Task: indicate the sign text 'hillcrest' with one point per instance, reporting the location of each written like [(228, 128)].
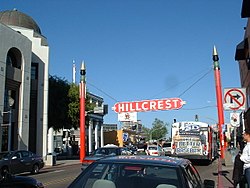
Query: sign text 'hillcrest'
[(149, 105)]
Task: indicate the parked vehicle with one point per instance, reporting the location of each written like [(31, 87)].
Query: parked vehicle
[(132, 149), (155, 150), (11, 181), (167, 148), (20, 161), (106, 151), (141, 171)]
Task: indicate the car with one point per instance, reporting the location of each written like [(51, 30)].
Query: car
[(20, 161), (167, 148), (154, 150), (141, 171), (11, 181), (106, 151)]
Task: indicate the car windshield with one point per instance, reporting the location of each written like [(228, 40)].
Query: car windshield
[(5, 155), (166, 145), (129, 175), (105, 151), (152, 147)]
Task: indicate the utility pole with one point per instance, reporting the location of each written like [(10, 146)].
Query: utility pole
[(82, 90), (219, 100)]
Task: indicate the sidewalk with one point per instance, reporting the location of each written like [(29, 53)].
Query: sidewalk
[(227, 166), (64, 162)]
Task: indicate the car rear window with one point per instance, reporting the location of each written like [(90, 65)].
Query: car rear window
[(166, 145), (130, 175), (152, 148)]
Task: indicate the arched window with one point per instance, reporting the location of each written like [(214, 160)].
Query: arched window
[(14, 58)]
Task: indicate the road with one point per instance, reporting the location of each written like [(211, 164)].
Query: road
[(58, 177), (210, 171), (62, 176)]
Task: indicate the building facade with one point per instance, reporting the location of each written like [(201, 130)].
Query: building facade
[(242, 55), (24, 62)]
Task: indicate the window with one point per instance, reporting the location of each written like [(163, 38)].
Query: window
[(25, 154), (34, 71), (193, 177)]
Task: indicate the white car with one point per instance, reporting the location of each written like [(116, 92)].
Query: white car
[(155, 150), (167, 147)]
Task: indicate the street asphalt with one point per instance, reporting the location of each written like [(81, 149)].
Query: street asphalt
[(225, 167)]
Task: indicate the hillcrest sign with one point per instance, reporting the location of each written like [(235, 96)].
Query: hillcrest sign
[(149, 105)]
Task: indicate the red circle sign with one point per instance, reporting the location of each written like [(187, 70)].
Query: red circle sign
[(236, 97)]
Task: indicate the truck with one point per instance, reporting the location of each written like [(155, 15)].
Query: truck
[(194, 140)]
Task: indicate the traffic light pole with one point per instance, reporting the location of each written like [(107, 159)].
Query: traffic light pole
[(82, 112)]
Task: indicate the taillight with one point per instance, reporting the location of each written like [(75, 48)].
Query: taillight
[(155, 152), (205, 147), (173, 146)]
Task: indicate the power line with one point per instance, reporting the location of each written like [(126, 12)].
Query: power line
[(194, 83), (199, 108), (189, 78), (103, 92)]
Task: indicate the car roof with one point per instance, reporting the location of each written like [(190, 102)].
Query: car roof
[(152, 145), (146, 159), (110, 145)]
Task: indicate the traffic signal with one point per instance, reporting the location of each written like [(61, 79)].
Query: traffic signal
[(196, 118)]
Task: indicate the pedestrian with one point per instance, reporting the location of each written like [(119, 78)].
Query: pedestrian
[(245, 156), (238, 172)]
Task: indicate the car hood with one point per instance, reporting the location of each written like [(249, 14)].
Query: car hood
[(3, 161), (16, 179), (94, 157)]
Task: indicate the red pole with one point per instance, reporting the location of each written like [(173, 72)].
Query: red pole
[(82, 113), (219, 100)]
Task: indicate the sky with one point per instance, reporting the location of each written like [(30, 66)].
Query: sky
[(143, 49)]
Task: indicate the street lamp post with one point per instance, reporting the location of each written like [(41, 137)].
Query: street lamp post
[(9, 131), (219, 100), (82, 112), (11, 102)]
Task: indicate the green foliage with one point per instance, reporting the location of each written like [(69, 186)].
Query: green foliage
[(146, 132), (159, 129), (58, 103), (74, 106), (64, 104)]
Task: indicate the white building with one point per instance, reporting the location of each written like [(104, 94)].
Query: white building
[(24, 62)]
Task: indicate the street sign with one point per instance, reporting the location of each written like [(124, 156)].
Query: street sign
[(98, 110), (235, 119), (149, 105), (125, 137), (127, 116), (235, 99)]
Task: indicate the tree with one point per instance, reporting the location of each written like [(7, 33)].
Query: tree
[(146, 132), (58, 103), (74, 105), (159, 129), (64, 104)]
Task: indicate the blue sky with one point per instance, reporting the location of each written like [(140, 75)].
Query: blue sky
[(143, 49)]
